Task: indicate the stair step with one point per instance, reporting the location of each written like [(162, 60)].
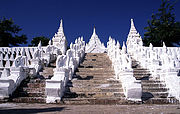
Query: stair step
[(99, 101), (93, 94), (153, 85), (95, 59), (72, 89), (155, 89), (43, 73), (95, 73), (141, 69), (36, 85), (96, 81), (96, 56), (151, 81), (161, 101), (143, 77), (37, 81), (29, 94), (143, 73), (93, 66), (29, 100), (33, 89), (95, 70), (92, 77), (92, 85), (146, 95), (97, 62)]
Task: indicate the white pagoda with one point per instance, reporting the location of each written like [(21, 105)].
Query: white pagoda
[(95, 45), (134, 39), (59, 39)]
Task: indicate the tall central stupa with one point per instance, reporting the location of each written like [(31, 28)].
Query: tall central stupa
[(95, 45)]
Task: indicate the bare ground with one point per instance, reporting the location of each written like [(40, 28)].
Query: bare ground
[(13, 108)]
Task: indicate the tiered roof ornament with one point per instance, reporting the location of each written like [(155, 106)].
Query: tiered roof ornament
[(134, 37), (59, 39), (95, 45)]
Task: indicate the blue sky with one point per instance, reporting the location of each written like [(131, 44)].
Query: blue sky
[(110, 17)]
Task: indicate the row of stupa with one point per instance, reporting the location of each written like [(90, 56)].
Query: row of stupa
[(93, 46)]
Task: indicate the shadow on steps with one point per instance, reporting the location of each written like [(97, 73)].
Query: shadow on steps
[(68, 93), (146, 96), (85, 78)]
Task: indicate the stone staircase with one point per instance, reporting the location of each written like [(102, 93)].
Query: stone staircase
[(32, 89), (154, 90), (94, 83)]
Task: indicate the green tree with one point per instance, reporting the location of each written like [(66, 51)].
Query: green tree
[(35, 41), (9, 34), (163, 27)]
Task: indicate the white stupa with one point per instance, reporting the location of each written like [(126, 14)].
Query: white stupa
[(95, 45), (134, 37), (59, 39)]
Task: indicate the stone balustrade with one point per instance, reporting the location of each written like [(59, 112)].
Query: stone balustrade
[(12, 76), (162, 62), (121, 63), (17, 63), (65, 68)]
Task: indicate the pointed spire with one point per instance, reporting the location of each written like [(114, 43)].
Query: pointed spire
[(164, 45), (133, 36), (61, 23), (71, 45), (164, 48), (132, 26), (94, 31), (123, 48), (60, 30), (50, 43), (76, 41), (81, 38), (110, 38), (39, 45), (118, 44), (132, 23), (123, 44), (151, 46)]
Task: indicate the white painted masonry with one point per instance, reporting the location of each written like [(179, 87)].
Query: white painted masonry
[(17, 63)]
